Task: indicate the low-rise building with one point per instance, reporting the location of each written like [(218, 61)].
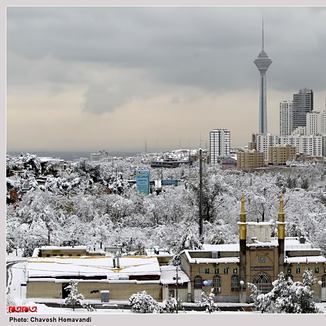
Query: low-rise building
[(48, 277), (249, 160), (279, 155)]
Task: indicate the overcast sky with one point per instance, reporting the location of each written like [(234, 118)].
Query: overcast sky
[(113, 78)]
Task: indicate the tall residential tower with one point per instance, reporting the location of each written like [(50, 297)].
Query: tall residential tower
[(286, 118), (219, 144), (303, 103), (262, 63)]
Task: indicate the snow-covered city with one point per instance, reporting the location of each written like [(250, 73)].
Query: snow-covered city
[(88, 224), (171, 180)]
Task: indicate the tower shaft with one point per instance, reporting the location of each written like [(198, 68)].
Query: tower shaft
[(262, 105)]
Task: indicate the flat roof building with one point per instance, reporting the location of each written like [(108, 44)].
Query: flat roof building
[(249, 160), (279, 155)]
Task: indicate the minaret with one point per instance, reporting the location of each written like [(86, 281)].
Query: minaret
[(262, 63), (242, 240), (281, 234)]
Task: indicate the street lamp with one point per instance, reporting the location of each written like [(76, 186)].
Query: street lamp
[(241, 290), (320, 283)]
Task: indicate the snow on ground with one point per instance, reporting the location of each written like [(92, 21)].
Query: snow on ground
[(43, 309), (322, 307)]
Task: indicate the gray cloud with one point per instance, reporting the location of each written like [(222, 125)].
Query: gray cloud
[(207, 48)]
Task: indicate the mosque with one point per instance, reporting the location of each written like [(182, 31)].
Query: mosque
[(257, 258)]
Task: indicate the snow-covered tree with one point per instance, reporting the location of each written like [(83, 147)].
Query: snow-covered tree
[(188, 240), (286, 296), (74, 298), (142, 302), (207, 301), (170, 305)]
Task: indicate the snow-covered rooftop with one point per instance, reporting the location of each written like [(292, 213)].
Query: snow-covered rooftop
[(158, 252), (222, 247), (305, 259), (210, 260), (224, 260), (168, 274), (63, 247), (50, 159), (256, 243), (89, 266), (293, 243)]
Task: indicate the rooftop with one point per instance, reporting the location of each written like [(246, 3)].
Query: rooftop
[(92, 266)]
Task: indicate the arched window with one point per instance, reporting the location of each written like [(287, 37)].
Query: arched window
[(289, 276), (323, 281), (217, 284), (235, 283), (198, 282), (263, 282)]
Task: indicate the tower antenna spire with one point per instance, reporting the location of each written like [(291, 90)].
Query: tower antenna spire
[(262, 33)]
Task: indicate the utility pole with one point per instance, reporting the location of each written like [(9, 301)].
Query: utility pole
[(49, 236), (200, 195), (176, 263), (176, 289)]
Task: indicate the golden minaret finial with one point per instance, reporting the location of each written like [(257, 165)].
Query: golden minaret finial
[(281, 219), (243, 218), (243, 205), (281, 208)]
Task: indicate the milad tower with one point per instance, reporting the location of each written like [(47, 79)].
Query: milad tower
[(262, 63)]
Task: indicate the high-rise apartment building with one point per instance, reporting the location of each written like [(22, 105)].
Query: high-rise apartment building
[(303, 102), (286, 117), (313, 123), (263, 142), (219, 144), (307, 145), (323, 121), (313, 145)]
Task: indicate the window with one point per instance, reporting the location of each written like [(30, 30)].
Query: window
[(235, 271), (263, 282), (235, 283), (289, 275), (206, 270), (226, 270), (323, 281), (198, 282), (317, 270), (217, 271), (298, 270), (171, 293), (289, 271), (217, 284)]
